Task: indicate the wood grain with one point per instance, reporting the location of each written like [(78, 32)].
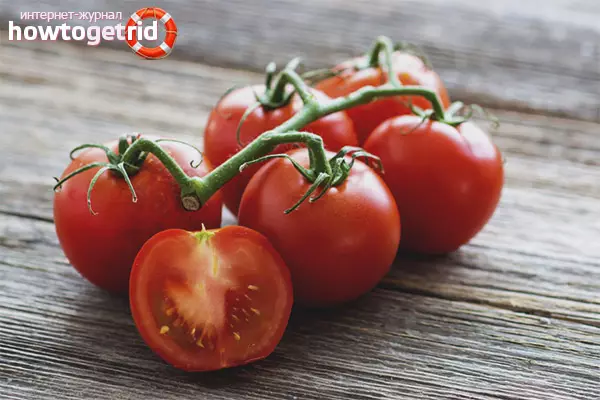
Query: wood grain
[(548, 169), (510, 54), (57, 328), (513, 315)]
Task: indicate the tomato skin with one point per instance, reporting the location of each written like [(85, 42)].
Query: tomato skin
[(410, 71), (447, 181), (175, 257), (220, 143), (338, 247), (102, 247)]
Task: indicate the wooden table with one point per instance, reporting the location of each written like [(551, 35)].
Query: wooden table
[(513, 315)]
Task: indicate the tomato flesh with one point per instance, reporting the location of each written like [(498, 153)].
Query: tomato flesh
[(210, 299)]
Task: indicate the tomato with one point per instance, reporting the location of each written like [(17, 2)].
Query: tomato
[(410, 71), (102, 247), (211, 299), (220, 141), (338, 247), (446, 181)]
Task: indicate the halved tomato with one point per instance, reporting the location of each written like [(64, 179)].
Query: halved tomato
[(211, 299)]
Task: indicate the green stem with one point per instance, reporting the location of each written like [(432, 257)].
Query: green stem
[(142, 145), (123, 144), (197, 191), (208, 185), (270, 72), (361, 96), (385, 44), (292, 77), (367, 94), (277, 93)]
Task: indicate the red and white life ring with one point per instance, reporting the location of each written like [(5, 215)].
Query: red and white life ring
[(166, 46)]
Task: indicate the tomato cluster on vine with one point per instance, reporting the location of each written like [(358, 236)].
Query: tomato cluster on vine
[(321, 220)]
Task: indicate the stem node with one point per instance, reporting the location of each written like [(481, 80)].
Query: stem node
[(191, 202)]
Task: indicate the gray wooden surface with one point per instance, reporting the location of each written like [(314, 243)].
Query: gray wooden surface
[(513, 315)]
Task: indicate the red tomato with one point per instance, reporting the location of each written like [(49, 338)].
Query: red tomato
[(410, 70), (338, 247), (220, 141), (102, 247), (211, 299), (446, 181)]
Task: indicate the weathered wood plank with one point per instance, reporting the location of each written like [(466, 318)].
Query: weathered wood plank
[(510, 54), (519, 262), (54, 327), (177, 96), (514, 315), (544, 265)]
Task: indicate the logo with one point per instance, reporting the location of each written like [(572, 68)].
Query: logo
[(131, 33), (166, 46)]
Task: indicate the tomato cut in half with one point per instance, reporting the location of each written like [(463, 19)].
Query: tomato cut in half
[(211, 299)]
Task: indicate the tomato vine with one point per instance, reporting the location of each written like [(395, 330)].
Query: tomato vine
[(323, 173)]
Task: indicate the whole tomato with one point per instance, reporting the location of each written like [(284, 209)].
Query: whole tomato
[(220, 142), (102, 247), (338, 247), (410, 69), (446, 181)]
